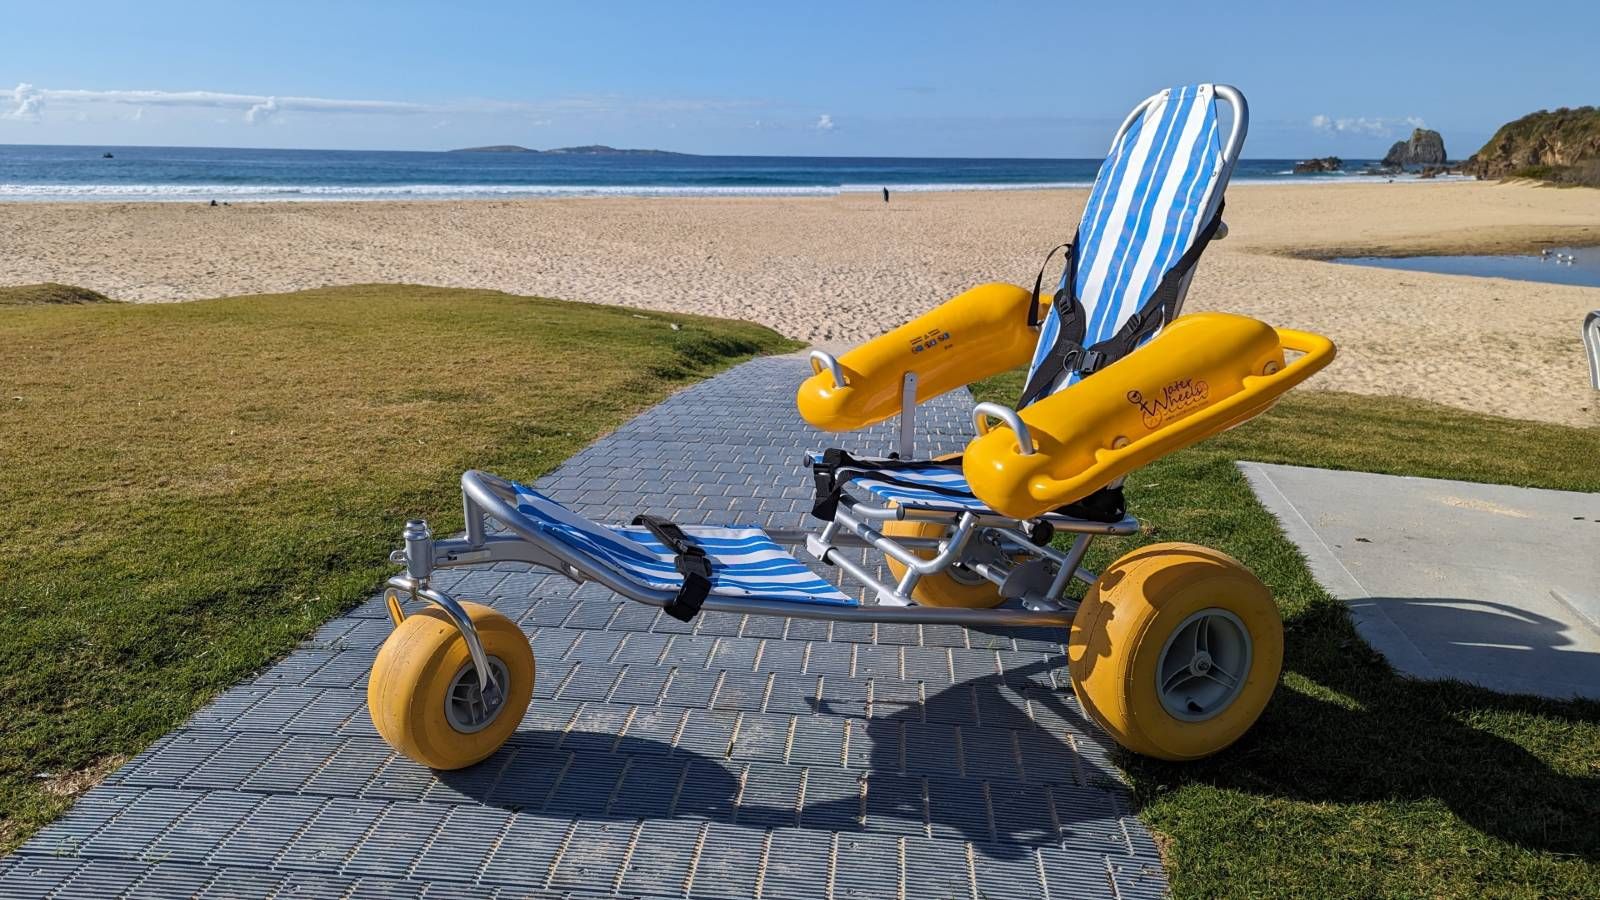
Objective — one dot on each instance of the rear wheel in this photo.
(1176, 650)
(953, 587)
(424, 693)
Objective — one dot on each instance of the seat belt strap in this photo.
(691, 562)
(1038, 283)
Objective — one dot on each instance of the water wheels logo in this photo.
(1175, 401)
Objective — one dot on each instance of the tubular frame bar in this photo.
(491, 496)
(463, 623)
(1591, 342)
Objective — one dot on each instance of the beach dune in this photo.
(836, 270)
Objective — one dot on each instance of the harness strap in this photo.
(1162, 307)
(1068, 354)
(1038, 282)
(690, 561)
(1068, 342)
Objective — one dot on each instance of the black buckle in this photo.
(1091, 361)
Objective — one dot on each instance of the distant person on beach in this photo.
(886, 195)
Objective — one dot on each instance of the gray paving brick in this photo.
(725, 865)
(269, 828)
(526, 850)
(36, 877)
(166, 880)
(797, 865)
(659, 758)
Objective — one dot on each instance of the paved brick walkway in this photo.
(737, 757)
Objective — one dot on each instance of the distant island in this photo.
(586, 150)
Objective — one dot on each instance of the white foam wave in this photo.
(287, 192)
(190, 192)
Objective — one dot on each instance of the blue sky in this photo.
(866, 78)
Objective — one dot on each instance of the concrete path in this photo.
(1497, 586)
(737, 757)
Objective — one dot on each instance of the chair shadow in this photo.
(600, 776)
(1495, 645)
(1383, 736)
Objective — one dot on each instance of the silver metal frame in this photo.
(973, 544)
(1591, 342)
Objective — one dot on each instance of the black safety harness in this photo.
(690, 561)
(1067, 353)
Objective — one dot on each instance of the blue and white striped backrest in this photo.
(1149, 202)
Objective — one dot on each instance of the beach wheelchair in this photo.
(1174, 649)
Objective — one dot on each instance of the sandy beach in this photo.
(834, 270)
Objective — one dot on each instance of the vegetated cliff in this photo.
(1425, 148)
(1561, 146)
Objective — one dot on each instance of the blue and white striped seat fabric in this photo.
(1149, 203)
(932, 475)
(745, 562)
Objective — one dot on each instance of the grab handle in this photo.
(1316, 352)
(823, 360)
(980, 423)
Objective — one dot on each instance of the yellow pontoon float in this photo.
(1174, 650)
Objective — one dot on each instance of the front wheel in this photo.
(1176, 650)
(424, 696)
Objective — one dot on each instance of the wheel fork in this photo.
(419, 568)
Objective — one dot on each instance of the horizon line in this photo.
(1296, 158)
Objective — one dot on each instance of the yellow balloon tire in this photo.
(1122, 630)
(412, 676)
(939, 589)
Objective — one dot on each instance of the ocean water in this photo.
(46, 173)
(1558, 265)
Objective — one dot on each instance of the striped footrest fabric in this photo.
(745, 562)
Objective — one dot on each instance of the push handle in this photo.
(1316, 352)
(823, 360)
(980, 423)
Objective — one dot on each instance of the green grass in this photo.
(1357, 782)
(192, 488)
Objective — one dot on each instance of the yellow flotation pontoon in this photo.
(1203, 375)
(984, 329)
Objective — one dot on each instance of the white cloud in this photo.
(1370, 126)
(824, 122)
(261, 111)
(29, 102)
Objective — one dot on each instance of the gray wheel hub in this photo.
(1204, 664)
(464, 705)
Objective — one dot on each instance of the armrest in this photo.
(1206, 373)
(972, 336)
